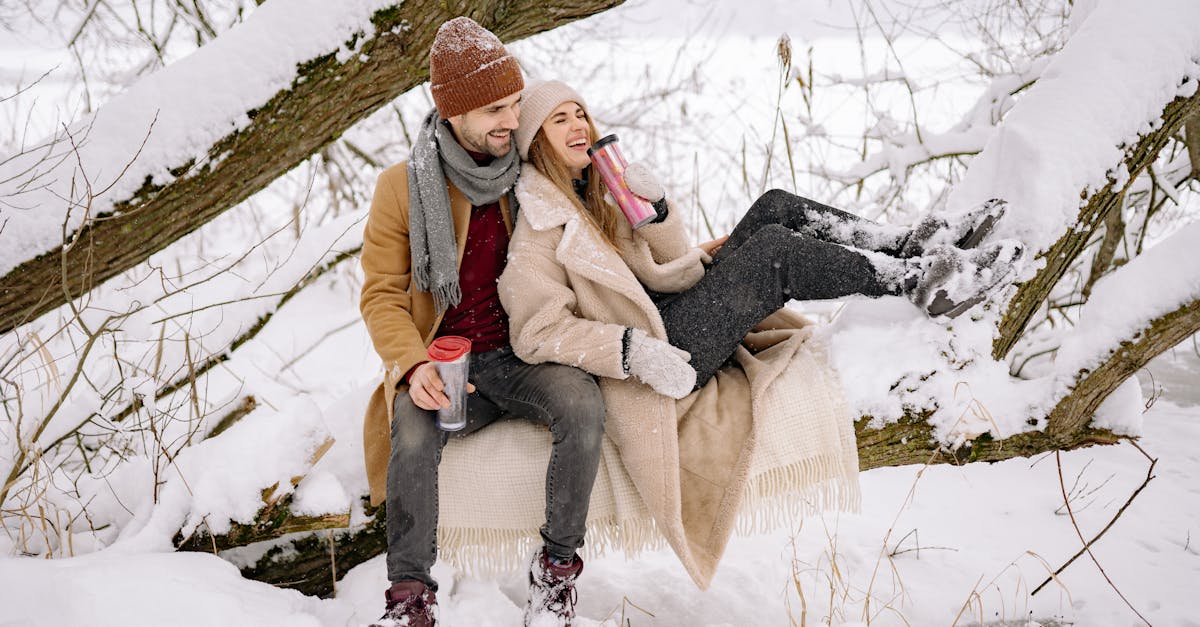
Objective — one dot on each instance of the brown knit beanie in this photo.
(537, 102)
(469, 67)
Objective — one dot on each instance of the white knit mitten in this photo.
(642, 182)
(660, 365)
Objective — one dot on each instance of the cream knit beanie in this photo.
(537, 102)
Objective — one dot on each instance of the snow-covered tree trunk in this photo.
(1076, 409)
(1144, 308)
(1032, 294)
(190, 151)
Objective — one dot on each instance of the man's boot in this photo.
(551, 591)
(409, 604)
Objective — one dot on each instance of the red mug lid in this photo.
(448, 348)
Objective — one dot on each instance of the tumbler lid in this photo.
(448, 348)
(601, 143)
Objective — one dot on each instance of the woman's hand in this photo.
(661, 366)
(641, 181)
(713, 246)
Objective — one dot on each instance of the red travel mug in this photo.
(450, 355)
(610, 163)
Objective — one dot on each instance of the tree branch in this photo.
(1191, 129)
(326, 98)
(1076, 409)
(1114, 230)
(1059, 256)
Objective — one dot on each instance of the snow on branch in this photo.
(155, 337)
(1093, 388)
(1123, 304)
(1100, 112)
(967, 137)
(197, 101)
(219, 125)
(1107, 87)
(260, 461)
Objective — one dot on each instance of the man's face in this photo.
(489, 128)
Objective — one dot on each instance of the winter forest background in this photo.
(183, 367)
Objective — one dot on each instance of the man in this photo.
(434, 245)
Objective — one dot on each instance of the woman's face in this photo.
(567, 130)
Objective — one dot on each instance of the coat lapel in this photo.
(460, 212)
(582, 251)
(506, 213)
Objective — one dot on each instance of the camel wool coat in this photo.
(400, 319)
(570, 295)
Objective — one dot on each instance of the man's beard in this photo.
(478, 142)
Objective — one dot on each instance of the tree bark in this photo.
(274, 521)
(325, 99)
(1191, 131)
(1076, 409)
(309, 564)
(305, 564)
(1114, 230)
(1031, 294)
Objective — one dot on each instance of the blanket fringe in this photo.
(491, 553)
(782, 497)
(778, 498)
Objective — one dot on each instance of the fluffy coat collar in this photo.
(656, 256)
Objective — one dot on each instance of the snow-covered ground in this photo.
(931, 545)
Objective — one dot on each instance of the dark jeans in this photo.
(785, 247)
(564, 398)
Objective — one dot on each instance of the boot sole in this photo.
(975, 236)
(952, 310)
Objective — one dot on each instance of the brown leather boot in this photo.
(551, 591)
(409, 603)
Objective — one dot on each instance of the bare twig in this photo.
(1087, 545)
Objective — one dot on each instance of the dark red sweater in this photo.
(479, 316)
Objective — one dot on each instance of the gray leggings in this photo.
(785, 247)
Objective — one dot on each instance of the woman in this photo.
(584, 289)
(784, 248)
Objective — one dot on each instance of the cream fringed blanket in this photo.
(800, 457)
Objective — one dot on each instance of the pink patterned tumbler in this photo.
(611, 164)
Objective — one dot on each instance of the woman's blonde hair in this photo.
(603, 215)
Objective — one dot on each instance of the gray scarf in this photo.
(437, 156)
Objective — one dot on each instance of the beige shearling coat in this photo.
(400, 319)
(570, 296)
